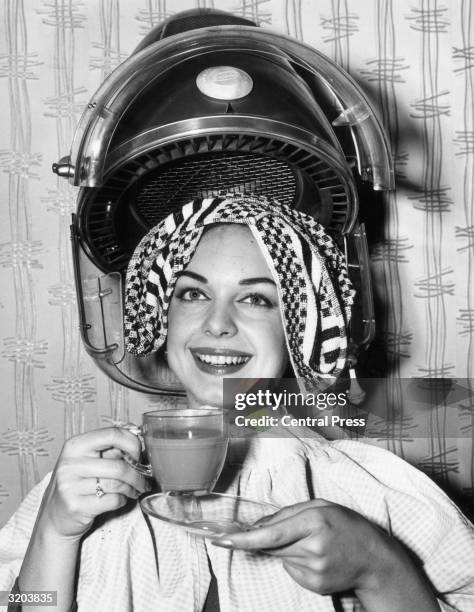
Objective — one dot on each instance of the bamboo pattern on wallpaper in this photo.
(255, 10)
(464, 59)
(437, 283)
(73, 386)
(110, 54)
(340, 26)
(45, 384)
(21, 255)
(155, 12)
(386, 72)
(294, 19)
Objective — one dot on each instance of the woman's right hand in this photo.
(70, 504)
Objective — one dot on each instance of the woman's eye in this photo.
(192, 295)
(255, 299)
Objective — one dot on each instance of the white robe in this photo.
(120, 571)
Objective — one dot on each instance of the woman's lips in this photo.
(219, 362)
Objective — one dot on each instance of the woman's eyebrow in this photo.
(244, 281)
(257, 279)
(198, 277)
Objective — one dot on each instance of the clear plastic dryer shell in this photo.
(98, 123)
(150, 139)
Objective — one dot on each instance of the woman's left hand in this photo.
(324, 547)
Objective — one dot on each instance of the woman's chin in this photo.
(209, 399)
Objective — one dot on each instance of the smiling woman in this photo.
(240, 287)
(224, 318)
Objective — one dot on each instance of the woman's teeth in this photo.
(222, 359)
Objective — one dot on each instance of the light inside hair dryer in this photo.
(210, 103)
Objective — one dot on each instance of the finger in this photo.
(116, 469)
(304, 550)
(94, 442)
(289, 511)
(112, 453)
(88, 486)
(300, 549)
(275, 535)
(107, 503)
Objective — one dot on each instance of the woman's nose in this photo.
(220, 321)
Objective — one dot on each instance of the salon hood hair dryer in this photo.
(210, 103)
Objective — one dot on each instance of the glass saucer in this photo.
(209, 515)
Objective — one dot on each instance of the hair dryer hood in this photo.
(327, 84)
(200, 112)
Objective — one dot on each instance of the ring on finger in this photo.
(99, 491)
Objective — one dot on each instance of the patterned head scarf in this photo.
(308, 268)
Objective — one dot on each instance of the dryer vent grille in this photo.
(208, 175)
(147, 187)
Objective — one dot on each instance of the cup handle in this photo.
(142, 468)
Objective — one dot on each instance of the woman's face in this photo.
(224, 318)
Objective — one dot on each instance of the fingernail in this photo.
(223, 543)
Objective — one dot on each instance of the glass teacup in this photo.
(186, 448)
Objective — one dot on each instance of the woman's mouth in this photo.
(219, 362)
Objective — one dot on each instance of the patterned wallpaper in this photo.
(415, 60)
